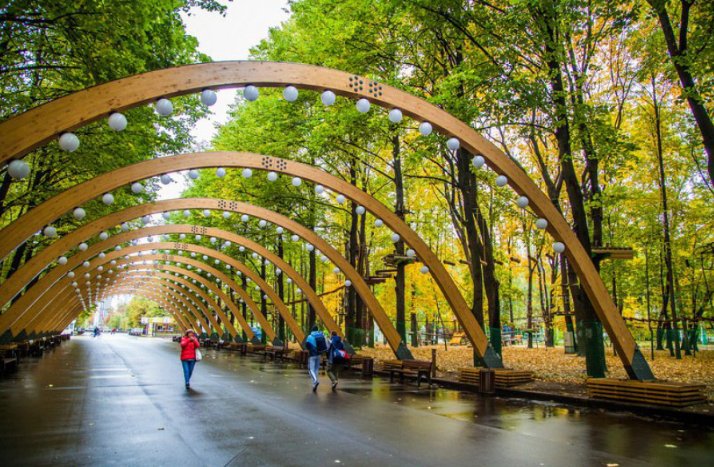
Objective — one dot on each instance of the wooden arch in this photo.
(14, 284)
(136, 287)
(27, 131)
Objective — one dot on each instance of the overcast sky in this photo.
(246, 23)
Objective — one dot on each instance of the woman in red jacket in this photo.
(189, 344)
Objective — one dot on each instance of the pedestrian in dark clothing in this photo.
(189, 345)
(335, 363)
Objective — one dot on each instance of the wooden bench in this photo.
(366, 364)
(417, 368)
(274, 352)
(504, 378)
(647, 392)
(8, 358)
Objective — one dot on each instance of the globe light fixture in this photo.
(247, 173)
(395, 237)
(206, 213)
(296, 181)
(272, 176)
(62, 260)
(262, 223)
(411, 253)
(395, 115)
(478, 161)
(117, 121)
(378, 222)
(294, 238)
(164, 107)
(251, 93)
(165, 215)
(558, 247)
(83, 246)
(328, 97)
(340, 199)
(165, 179)
(279, 230)
(453, 144)
(108, 199)
(424, 269)
(501, 181)
(360, 210)
(541, 223)
(208, 97)
(124, 227)
(425, 128)
(186, 213)
(137, 188)
(226, 214)
(522, 201)
(18, 169)
(319, 189)
(68, 142)
(290, 93)
(70, 274)
(348, 283)
(79, 213)
(363, 105)
(103, 236)
(85, 264)
(309, 247)
(220, 172)
(193, 174)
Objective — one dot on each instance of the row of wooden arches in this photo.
(37, 126)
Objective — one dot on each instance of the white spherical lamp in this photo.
(186, 213)
(541, 223)
(425, 128)
(206, 213)
(50, 231)
(79, 213)
(424, 269)
(70, 274)
(62, 260)
(411, 253)
(395, 115)
(290, 93)
(294, 238)
(220, 172)
(117, 121)
(558, 247)
(165, 179)
(247, 173)
(165, 215)
(360, 210)
(182, 236)
(102, 255)
(522, 202)
(124, 227)
(340, 199)
(363, 105)
(319, 189)
(395, 237)
(310, 247)
(208, 97)
(453, 144)
(108, 199)
(137, 188)
(328, 97)
(272, 176)
(103, 236)
(68, 142)
(251, 93)
(501, 181)
(18, 169)
(164, 107)
(348, 283)
(478, 161)
(85, 264)
(279, 230)
(193, 174)
(297, 181)
(336, 270)
(378, 222)
(226, 214)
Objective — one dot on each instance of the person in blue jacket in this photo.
(335, 363)
(316, 346)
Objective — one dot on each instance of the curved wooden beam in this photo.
(34, 266)
(34, 127)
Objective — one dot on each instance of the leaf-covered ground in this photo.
(552, 365)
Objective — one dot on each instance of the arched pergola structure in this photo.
(28, 271)
(31, 129)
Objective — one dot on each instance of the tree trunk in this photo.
(400, 279)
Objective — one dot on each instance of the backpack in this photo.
(320, 343)
(340, 356)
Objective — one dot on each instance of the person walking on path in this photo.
(189, 345)
(316, 346)
(335, 360)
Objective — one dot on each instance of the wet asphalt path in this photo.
(120, 400)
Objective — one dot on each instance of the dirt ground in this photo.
(554, 366)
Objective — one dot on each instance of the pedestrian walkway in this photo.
(120, 400)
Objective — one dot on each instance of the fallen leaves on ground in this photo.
(553, 365)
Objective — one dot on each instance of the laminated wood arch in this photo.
(134, 288)
(27, 131)
(35, 265)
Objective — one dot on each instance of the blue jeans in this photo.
(187, 369)
(313, 367)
